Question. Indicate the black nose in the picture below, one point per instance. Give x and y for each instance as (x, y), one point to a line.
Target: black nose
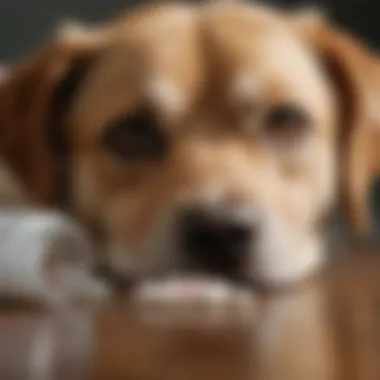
(215, 244)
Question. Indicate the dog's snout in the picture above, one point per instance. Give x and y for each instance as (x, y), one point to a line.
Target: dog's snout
(216, 242)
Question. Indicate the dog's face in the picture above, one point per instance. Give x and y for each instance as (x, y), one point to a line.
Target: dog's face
(206, 138)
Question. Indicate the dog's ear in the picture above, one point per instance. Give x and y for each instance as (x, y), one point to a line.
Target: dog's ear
(355, 72)
(34, 98)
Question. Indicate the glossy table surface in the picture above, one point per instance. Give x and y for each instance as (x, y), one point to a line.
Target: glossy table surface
(328, 328)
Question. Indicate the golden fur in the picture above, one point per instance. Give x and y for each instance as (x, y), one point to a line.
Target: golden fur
(210, 73)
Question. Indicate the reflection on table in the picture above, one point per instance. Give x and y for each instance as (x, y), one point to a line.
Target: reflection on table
(326, 329)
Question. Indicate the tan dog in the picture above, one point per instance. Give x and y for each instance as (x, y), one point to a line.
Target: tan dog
(214, 136)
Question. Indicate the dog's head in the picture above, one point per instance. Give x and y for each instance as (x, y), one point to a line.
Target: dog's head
(215, 137)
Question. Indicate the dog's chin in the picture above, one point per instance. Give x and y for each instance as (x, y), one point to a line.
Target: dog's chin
(185, 297)
(178, 285)
(191, 298)
(206, 282)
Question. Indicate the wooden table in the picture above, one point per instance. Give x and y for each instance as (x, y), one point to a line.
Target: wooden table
(326, 329)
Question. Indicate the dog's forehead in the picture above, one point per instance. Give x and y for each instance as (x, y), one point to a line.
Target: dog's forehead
(170, 53)
(238, 35)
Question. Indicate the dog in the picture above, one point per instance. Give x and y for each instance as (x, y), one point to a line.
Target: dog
(213, 137)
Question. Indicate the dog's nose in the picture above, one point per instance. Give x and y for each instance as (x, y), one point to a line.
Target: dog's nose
(216, 243)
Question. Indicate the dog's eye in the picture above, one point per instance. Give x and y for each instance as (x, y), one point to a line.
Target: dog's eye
(135, 137)
(287, 120)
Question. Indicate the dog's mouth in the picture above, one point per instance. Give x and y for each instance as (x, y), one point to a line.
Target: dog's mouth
(176, 286)
(193, 287)
(193, 299)
(190, 286)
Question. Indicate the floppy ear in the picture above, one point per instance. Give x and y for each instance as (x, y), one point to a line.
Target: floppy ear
(355, 72)
(34, 99)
